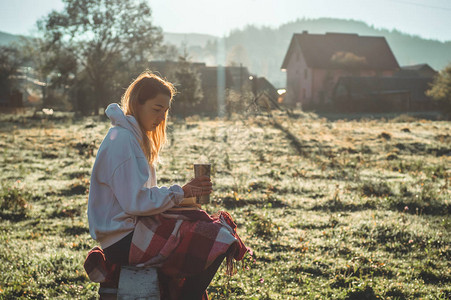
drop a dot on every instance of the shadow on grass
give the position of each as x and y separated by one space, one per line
372 269
393 117
69 212
230 202
76 174
353 292
317 226
338 205
317 269
277 247
75 230
75 189
416 206
396 293
430 276
297 145
420 148
13 216
362 293
398 241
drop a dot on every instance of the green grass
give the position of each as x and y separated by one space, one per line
332 210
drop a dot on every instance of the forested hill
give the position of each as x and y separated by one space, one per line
7 38
262 49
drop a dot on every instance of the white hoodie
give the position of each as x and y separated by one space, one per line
123 185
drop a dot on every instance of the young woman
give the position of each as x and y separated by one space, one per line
138 223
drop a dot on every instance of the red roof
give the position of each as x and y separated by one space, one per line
324 51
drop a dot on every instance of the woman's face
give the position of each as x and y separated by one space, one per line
152 112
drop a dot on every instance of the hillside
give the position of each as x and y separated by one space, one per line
189 39
262 49
7 38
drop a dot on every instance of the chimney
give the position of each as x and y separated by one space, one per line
304 32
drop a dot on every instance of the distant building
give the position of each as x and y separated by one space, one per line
382 94
420 70
315 62
21 90
240 76
267 95
11 102
217 80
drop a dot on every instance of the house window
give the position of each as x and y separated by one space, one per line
305 73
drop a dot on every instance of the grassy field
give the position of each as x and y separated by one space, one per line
332 210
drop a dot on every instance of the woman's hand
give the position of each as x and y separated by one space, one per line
198 187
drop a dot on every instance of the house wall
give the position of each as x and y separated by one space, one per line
299 87
428 73
324 82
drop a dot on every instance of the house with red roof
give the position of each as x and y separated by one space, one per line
314 63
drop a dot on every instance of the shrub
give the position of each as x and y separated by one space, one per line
391 156
413 166
438 171
14 203
378 189
361 293
404 118
385 135
425 201
261 225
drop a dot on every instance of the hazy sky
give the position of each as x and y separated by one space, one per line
426 18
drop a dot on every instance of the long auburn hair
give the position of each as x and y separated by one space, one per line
147 86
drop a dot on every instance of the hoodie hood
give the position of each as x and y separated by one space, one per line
118 118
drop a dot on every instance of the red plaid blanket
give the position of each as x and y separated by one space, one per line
180 242
183 243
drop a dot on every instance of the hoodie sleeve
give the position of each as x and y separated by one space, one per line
128 185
